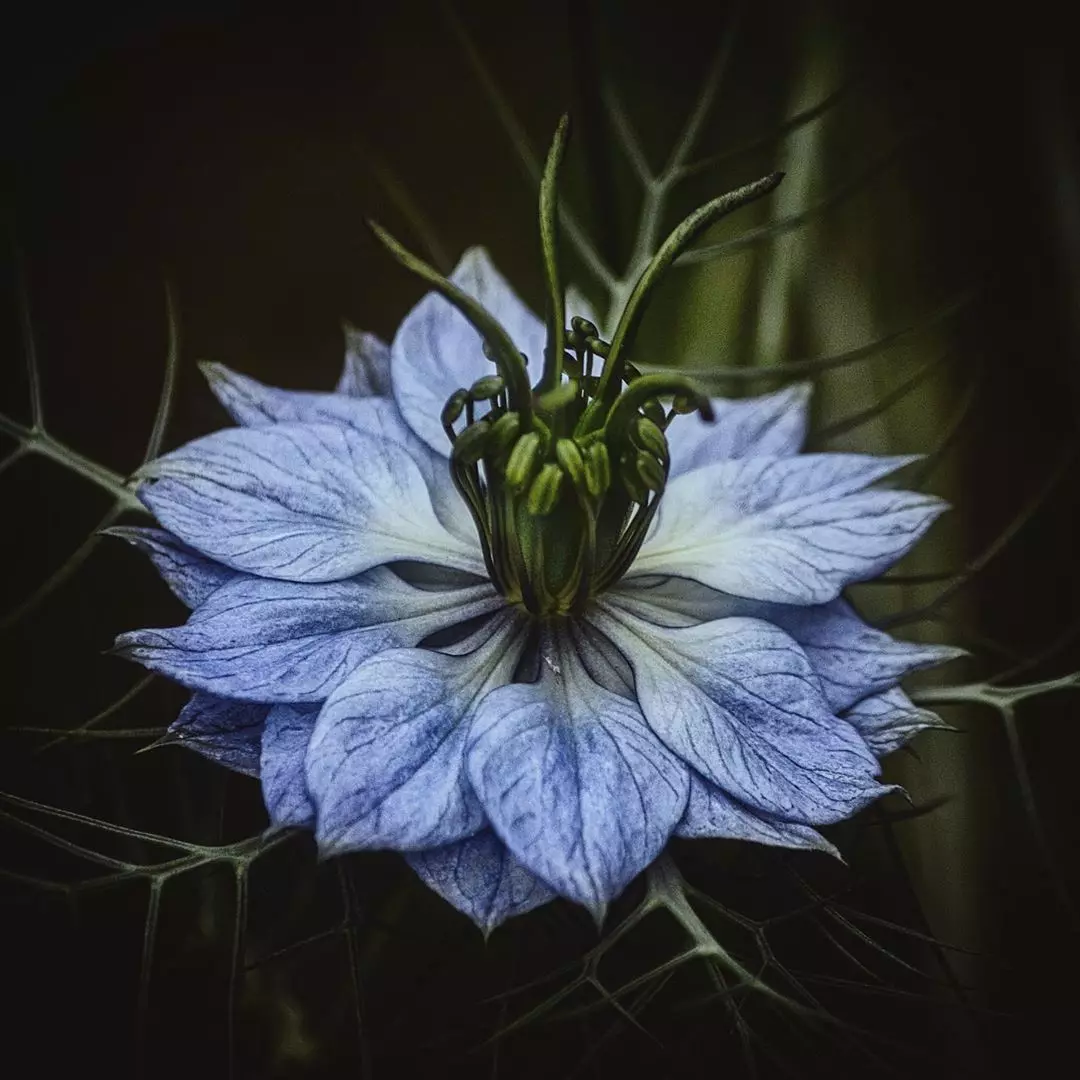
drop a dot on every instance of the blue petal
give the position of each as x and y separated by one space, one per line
710 813
278 641
301 502
285 739
385 766
773 425
572 779
367 365
850 658
253 404
739 701
191 576
788 530
436 350
887 721
228 732
481 879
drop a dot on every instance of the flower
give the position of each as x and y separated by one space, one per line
522 626
527 700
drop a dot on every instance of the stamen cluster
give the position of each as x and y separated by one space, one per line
563 490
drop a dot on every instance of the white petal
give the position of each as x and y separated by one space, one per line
436 351
481 878
789 530
572 779
773 425
301 502
739 701
385 766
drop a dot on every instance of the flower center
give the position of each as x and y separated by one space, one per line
563 490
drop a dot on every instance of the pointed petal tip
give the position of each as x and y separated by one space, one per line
599 914
216 374
129 533
170 738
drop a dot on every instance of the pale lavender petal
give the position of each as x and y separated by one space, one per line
712 814
191 576
367 365
772 425
739 701
253 404
436 351
301 502
572 779
887 721
280 641
787 530
480 877
228 732
385 766
285 737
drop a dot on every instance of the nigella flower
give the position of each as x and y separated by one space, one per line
525 624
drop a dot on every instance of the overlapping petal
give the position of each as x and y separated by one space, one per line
366 371
712 814
480 877
771 425
385 765
738 700
191 575
285 736
435 350
850 658
888 720
253 404
282 641
301 502
573 780
789 530
228 732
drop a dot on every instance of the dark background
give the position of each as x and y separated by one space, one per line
236 151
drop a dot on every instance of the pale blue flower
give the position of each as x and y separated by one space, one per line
527 702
